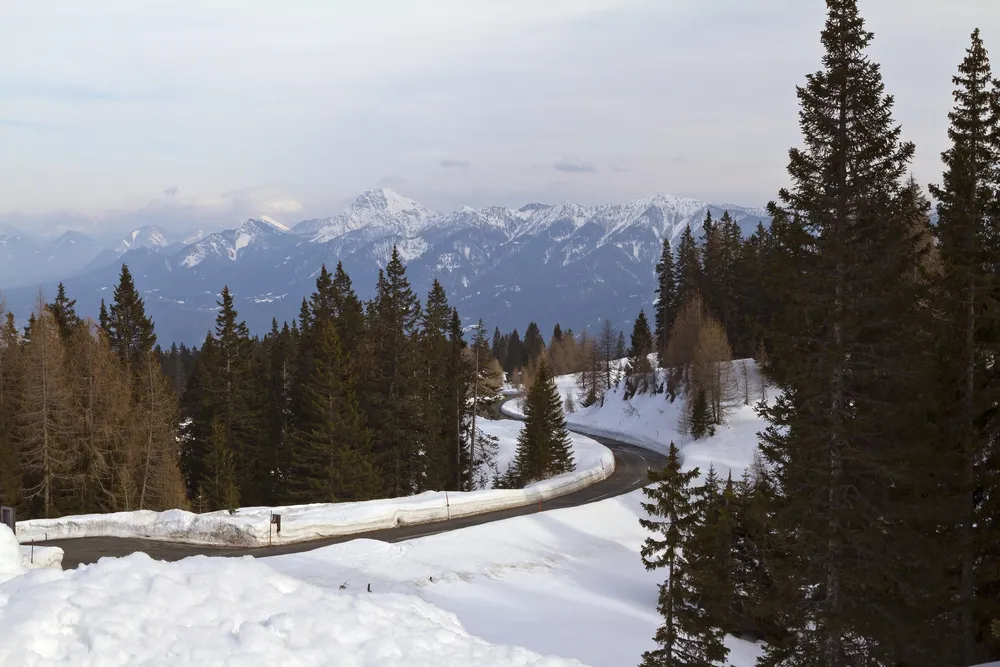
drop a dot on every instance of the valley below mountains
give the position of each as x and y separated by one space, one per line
564 263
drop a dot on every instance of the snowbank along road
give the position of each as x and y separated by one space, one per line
631 466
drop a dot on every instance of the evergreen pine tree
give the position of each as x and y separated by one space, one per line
686 638
330 446
470 375
279 355
63 309
514 357
730 300
666 299
713 266
394 393
129 329
235 394
438 391
639 369
700 421
499 348
11 490
848 438
968 233
534 344
543 444
688 266
349 318
219 489
104 319
710 552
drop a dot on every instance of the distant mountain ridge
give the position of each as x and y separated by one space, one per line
564 262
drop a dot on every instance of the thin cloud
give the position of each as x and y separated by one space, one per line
455 164
574 167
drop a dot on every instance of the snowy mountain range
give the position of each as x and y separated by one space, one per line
565 262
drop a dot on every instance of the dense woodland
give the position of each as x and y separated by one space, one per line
867 533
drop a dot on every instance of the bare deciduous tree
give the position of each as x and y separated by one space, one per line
44 412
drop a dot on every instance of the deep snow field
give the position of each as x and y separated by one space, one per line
567 583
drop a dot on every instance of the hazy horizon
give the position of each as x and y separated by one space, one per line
197 115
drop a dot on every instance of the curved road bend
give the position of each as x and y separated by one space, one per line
631 465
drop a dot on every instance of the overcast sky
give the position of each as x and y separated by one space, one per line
116 112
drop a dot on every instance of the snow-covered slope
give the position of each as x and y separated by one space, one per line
652 421
207 612
149 236
260 233
10 555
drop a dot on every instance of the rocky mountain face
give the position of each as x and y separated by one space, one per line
564 263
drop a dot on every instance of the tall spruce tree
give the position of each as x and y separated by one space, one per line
394 393
848 436
688 265
713 264
499 348
730 301
278 350
543 444
666 300
468 370
515 357
234 395
639 369
710 552
129 329
438 391
687 637
63 309
534 344
331 457
968 233
11 489
218 488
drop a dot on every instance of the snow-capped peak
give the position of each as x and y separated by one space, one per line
387 200
274 223
377 212
149 236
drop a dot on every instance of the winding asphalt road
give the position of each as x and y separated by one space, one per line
631 466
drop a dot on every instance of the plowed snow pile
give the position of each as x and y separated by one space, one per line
224 612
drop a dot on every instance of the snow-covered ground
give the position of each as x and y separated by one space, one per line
252 526
10 556
653 421
207 612
566 583
33 557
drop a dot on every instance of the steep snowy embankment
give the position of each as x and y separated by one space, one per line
652 421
